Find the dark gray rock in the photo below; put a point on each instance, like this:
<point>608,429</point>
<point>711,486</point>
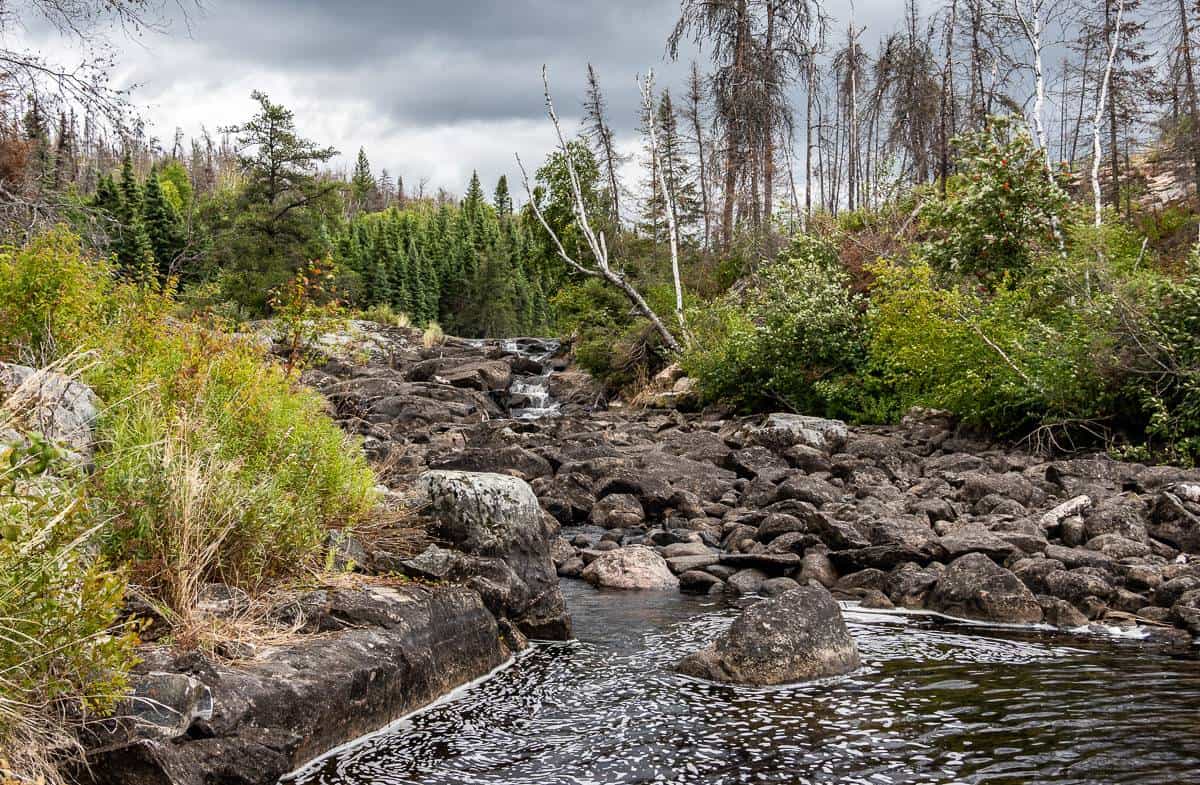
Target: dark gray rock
<point>797,636</point>
<point>975,587</point>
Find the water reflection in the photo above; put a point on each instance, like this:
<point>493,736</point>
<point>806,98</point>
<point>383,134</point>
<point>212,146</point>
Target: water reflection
<point>932,704</point>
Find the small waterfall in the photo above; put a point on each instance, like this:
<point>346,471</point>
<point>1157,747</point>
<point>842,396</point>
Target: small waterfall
<point>535,390</point>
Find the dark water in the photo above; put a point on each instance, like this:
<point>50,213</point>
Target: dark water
<point>933,704</point>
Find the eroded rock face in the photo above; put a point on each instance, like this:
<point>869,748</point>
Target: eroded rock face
<point>632,567</point>
<point>796,636</point>
<point>387,653</point>
<point>496,519</point>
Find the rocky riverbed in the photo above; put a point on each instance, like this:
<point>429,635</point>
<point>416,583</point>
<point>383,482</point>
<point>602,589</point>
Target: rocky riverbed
<point>520,472</point>
<point>922,515</point>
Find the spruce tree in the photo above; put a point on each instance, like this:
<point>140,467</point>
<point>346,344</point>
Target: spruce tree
<point>162,226</point>
<point>135,256</point>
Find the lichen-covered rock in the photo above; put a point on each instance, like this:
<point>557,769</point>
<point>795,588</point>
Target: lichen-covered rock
<point>796,636</point>
<point>58,407</point>
<point>975,587</point>
<point>496,518</point>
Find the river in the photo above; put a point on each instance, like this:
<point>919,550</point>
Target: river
<point>934,703</point>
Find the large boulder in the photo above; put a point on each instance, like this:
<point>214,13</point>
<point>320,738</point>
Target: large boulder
<point>632,567</point>
<point>497,518</point>
<point>796,636</point>
<point>975,587</point>
<point>58,407</point>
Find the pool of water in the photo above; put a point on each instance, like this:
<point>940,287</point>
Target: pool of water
<point>934,703</point>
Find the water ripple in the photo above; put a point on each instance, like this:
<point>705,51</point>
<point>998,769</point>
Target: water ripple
<point>932,704</point>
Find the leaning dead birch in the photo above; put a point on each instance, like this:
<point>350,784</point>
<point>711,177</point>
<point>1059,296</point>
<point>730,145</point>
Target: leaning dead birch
<point>600,266</point>
<point>1101,100</point>
<point>647,88</point>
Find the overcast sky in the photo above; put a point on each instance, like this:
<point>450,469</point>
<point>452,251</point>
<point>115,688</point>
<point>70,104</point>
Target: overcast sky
<point>431,88</point>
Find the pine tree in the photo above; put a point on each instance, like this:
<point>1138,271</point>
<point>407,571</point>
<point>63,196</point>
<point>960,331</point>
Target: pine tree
<point>135,256</point>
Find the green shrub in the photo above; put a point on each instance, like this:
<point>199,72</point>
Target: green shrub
<point>63,656</point>
<point>1018,357</point>
<point>172,386</point>
<point>794,338</point>
<point>1000,209</point>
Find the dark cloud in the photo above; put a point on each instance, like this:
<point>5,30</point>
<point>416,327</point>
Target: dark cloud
<point>432,89</point>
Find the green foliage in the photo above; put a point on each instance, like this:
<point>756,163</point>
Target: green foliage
<point>62,651</point>
<point>1001,207</point>
<point>1019,357</point>
<point>180,389</point>
<point>792,340</point>
<point>276,222</point>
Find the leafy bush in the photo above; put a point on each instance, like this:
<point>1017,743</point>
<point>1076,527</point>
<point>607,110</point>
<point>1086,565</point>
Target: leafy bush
<point>792,339</point>
<point>1018,357</point>
<point>178,389</point>
<point>1001,207</point>
<point>62,654</point>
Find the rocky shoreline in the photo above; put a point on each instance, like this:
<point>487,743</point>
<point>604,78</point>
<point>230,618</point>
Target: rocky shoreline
<point>922,515</point>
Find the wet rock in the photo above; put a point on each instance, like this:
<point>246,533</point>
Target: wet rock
<point>632,567</point>
<point>909,584</point>
<point>1186,611</point>
<point>797,636</point>
<point>975,587</point>
<point>699,582</point>
<point>1060,613</point>
<point>166,705</point>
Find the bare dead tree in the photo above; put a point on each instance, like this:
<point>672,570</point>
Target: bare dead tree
<point>600,266</point>
<point>647,88</point>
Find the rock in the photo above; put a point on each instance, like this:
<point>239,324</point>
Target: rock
<point>58,407</point>
<point>908,585</point>
<point>798,636</point>
<point>631,567</point>
<point>618,511</point>
<point>301,699</point>
<point>975,587</point>
<point>775,586</point>
<point>1010,486</point>
<point>1172,522</point>
<point>1123,515</point>
<point>1061,613</point>
<point>497,517</point>
<point>780,431</point>
<point>1078,557</point>
<point>816,566</point>
<point>166,705</point>
<point>1115,546</point>
<point>1186,611</point>
<point>483,375</point>
<point>221,600</point>
<point>575,387</point>
<point>752,461</point>
<point>438,564</point>
<point>504,460</point>
<point>699,582</point>
<point>1073,507</point>
<point>976,539</point>
<point>746,581</point>
<point>346,552</point>
<point>681,564</point>
<point>1076,585</point>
